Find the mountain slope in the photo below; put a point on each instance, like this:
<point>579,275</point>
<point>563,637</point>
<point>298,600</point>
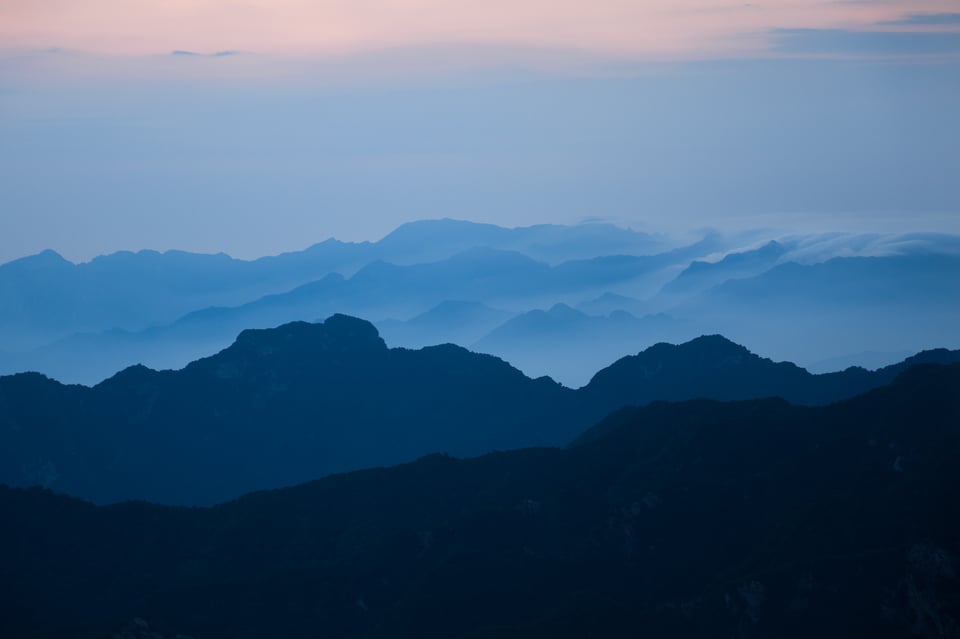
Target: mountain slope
<point>570,345</point>
<point>703,275</point>
<point>747,519</point>
<point>277,407</point>
<point>431,240</point>
<point>300,401</point>
<point>451,321</point>
<point>378,290</point>
<point>47,297</point>
<point>713,367</point>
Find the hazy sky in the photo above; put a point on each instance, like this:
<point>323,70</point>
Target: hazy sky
<point>347,118</point>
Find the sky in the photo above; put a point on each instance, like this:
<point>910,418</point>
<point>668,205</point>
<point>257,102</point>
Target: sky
<point>257,127</point>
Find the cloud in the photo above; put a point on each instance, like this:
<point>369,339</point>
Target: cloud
<point>218,54</point>
<point>925,20</point>
<point>844,42</point>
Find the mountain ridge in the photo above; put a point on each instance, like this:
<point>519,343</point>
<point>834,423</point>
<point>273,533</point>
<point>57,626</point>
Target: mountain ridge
<point>302,400</point>
<point>684,519</point>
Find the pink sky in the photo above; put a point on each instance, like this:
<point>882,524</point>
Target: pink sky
<point>645,28</point>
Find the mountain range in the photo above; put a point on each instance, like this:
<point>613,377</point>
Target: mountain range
<point>293,403</point>
<point>47,297</point>
<point>743,519</point>
<point>379,289</point>
<point>843,297</point>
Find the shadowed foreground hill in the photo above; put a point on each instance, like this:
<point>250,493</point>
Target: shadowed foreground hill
<point>295,403</point>
<point>747,519</point>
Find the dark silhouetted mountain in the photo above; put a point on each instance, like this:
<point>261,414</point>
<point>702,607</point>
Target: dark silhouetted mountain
<point>286,405</point>
<point>454,322</point>
<point>277,407</point>
<point>748,519</point>
<point>871,360</point>
<point>714,367</point>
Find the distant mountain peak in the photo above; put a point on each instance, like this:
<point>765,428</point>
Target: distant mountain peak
<point>45,258</point>
<point>564,311</point>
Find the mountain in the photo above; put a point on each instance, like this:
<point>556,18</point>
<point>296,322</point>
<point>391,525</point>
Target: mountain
<point>493,276</point>
<point>290,404</point>
<point>871,360</point>
<point>569,345</point>
<point>81,322</point>
<point>611,302</point>
<point>451,321</point>
<point>433,240</point>
<point>378,290</point>
<point>277,407</point>
<point>47,297</point>
<point>746,519</point>
<point>703,275</point>
<point>713,367</point>
<point>809,312</point>
<point>928,280</point>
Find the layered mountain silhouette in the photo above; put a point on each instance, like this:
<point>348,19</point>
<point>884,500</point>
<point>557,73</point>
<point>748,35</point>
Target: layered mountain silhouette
<point>608,302</point>
<point>810,312</point>
<point>701,275</point>
<point>300,401</point>
<point>929,280</point>
<point>81,322</point>
<point>713,367</point>
<point>277,407</point>
<point>570,345</point>
<point>47,297</point>
<point>378,290</point>
<point>451,321</point>
<point>432,240</point>
<point>743,519</point>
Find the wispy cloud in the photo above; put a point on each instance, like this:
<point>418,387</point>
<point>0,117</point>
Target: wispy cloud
<point>925,20</point>
<point>866,43</point>
<point>217,54</point>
